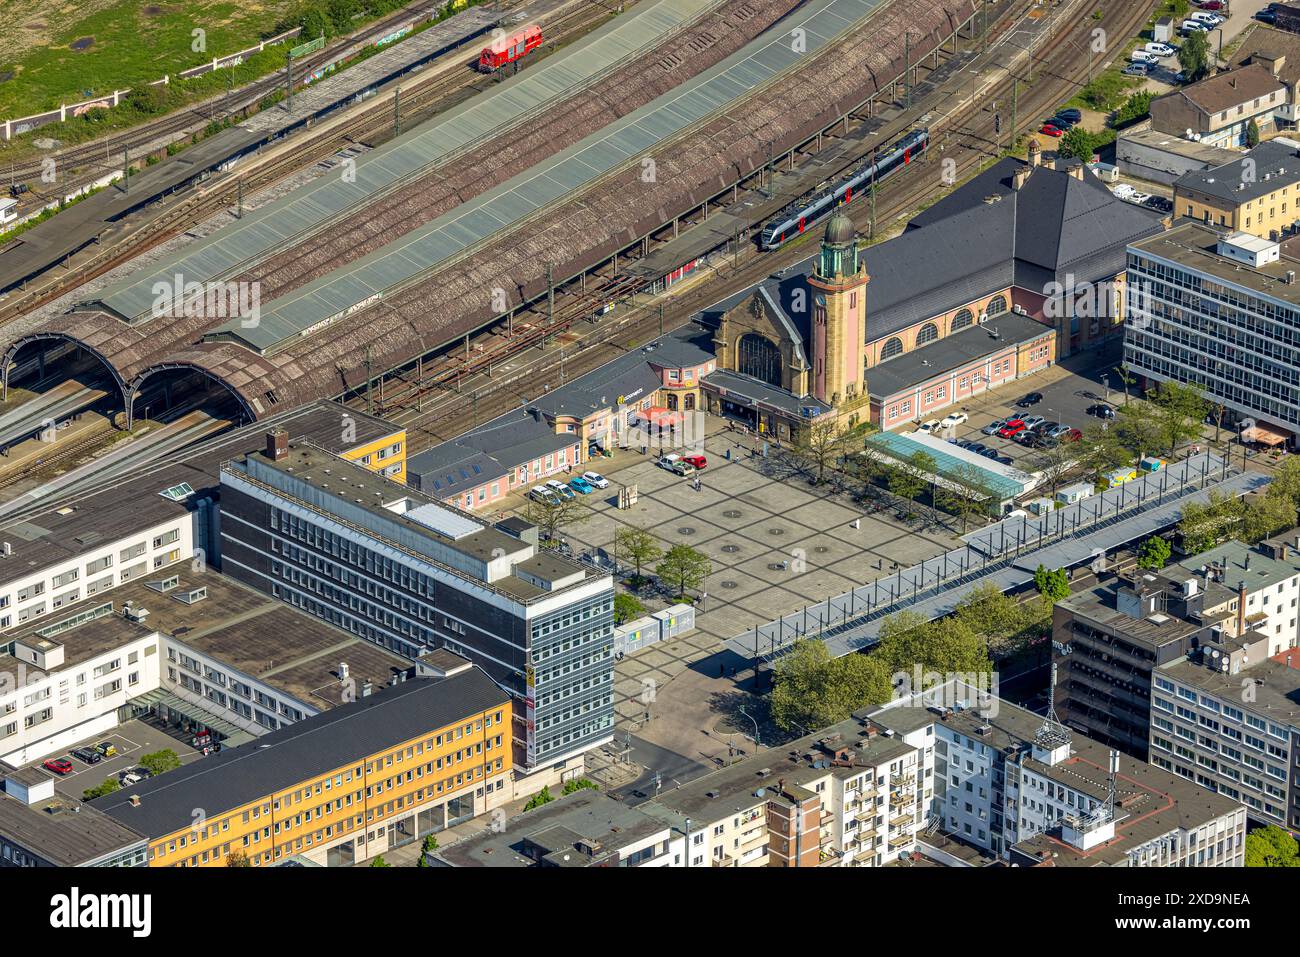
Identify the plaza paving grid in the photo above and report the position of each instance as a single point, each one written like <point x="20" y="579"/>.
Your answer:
<point x="748" y="518"/>
<point x="1004" y="554"/>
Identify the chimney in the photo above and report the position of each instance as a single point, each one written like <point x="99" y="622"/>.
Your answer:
<point x="135" y="800"/>
<point x="277" y="445"/>
<point x="1241" y="608"/>
<point x="1077" y="171"/>
<point x="1019" y="177"/>
<point x="1035" y="153"/>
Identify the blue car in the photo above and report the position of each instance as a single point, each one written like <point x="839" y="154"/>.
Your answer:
<point x="581" y="485"/>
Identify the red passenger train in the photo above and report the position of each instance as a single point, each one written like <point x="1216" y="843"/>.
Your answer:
<point x="511" y="47"/>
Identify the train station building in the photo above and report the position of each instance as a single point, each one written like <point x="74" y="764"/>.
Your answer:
<point x="1019" y="267"/>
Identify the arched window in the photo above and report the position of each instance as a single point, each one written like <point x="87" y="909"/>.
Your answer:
<point x="928" y="333"/>
<point x="690" y="401"/>
<point x="997" y="305"/>
<point x="672" y="402"/>
<point x="961" y="320"/>
<point x="894" y="347"/>
<point x="759" y="357"/>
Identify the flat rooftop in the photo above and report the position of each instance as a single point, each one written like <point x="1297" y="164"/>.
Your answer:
<point x="63" y="831"/>
<point x="552" y="832"/>
<point x="1150" y="802"/>
<point x="1098" y="605"/>
<point x="1242" y="563"/>
<point x="352" y="493"/>
<point x="1276" y="685"/>
<point x="719" y="793"/>
<point x="1194" y="245"/>
<point x="257" y="635"/>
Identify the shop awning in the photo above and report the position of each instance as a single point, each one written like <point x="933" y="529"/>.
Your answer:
<point x="231" y="733"/>
<point x="1265" y="435"/>
<point x="659" y="415"/>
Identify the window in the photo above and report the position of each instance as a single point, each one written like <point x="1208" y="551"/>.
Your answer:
<point x="927" y="333"/>
<point x="894" y="347"/>
<point x="961" y="320"/>
<point x="997" y="305"/>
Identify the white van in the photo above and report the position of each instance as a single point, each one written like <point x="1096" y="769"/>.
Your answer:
<point x="1141" y="56"/>
<point x="1206" y="17"/>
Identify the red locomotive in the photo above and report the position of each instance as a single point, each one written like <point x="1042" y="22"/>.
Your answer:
<point x="511" y="47"/>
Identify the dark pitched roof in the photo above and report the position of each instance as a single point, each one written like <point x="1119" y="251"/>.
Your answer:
<point x="984" y="236"/>
<point x="1275" y="165"/>
<point x="303" y="750"/>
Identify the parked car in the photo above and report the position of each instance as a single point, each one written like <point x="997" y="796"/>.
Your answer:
<point x="1074" y="435"/>
<point x="106" y="749"/>
<point x="977" y="447"/>
<point x="542" y="494"/>
<point x="699" y="461"/>
<point x="1189" y="26"/>
<point x="1159" y="203"/>
<point x="1218" y="5"/>
<point x="682" y="467"/>
<point x="992" y="427"/>
<point x="1159" y="49"/>
<point x="667" y="461"/>
<point x="1032" y="398"/>
<point x="930" y="425"/>
<point x="59" y="765"/>
<point x="1266" y="16"/>
<point x="581" y="485"/>
<point x="1205" y="16"/>
<point x="129" y="777"/>
<point x="1011" y="428"/>
<point x="1003" y="460"/>
<point x="1049" y="130"/>
<point x="1101" y="411"/>
<point x="954" y="419"/>
<point x="1026" y="437"/>
<point x="88" y="755"/>
<point x="990" y="453"/>
<point x="1033" y="421"/>
<point x="1073" y="114"/>
<point x="596" y="480"/>
<point x="1137" y="69"/>
<point x="1141" y="56"/>
<point x="560" y="489"/>
<point x="1057" y="430"/>
<point x="1060" y="122"/>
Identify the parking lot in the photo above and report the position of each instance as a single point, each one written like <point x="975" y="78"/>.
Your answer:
<point x="1067" y="393"/>
<point x="131" y="739"/>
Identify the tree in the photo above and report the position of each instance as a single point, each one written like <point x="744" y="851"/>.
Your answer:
<point x="160" y="762"/>
<point x="580" y="784"/>
<point x="1137" y="428"/>
<point x="108" y="787"/>
<point x="626" y="607"/>
<point x="908" y="477"/>
<point x="685" y="568"/>
<point x="1126" y="379"/>
<point x="380" y="862"/>
<point x="946" y="645"/>
<point x="1179" y="411"/>
<point x="1154" y="553"/>
<point x="823" y="444"/>
<point x="1052" y="585"/>
<point x="237" y="859"/>
<point x="999" y="618"/>
<point x="1079" y="143"/>
<point x="1194" y="55"/>
<point x="1270" y="846"/>
<point x="1101" y="450"/>
<point x="1053" y="463"/>
<point x="554" y="513"/>
<point x="1265" y="515"/>
<point x="1252" y="134"/>
<point x="541" y="797"/>
<point x="965" y="493"/>
<point x="1205" y="524"/>
<point x="810" y="689"/>
<point x="430" y="845"/>
<point x="638" y="546"/>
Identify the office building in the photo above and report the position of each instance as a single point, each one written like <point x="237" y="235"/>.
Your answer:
<point x="39" y="828"/>
<point x="1214" y="310"/>
<point x="401" y="569"/>
<point x="340" y="787"/>
<point x="1256" y="193"/>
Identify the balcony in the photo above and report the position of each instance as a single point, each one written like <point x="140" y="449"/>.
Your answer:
<point x="865" y="814"/>
<point x="726" y="860"/>
<point x="901" y="840"/>
<point x="902" y="820"/>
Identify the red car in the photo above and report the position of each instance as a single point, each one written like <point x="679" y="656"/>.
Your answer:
<point x="59" y="765"/>
<point x="1011" y="428"/>
<point x="699" y="461"/>
<point x="1210" y="5"/>
<point x="1050" y="130"/>
<point x="1074" y="435"/>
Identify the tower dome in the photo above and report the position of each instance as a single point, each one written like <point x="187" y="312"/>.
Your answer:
<point x="840" y="229"/>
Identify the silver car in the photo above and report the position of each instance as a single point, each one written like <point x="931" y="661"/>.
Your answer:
<point x="1033" y="421"/>
<point x="992" y="427"/>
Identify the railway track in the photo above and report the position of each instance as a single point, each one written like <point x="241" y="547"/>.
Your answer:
<point x="371" y="125"/>
<point x="455" y="392"/>
<point x="100" y="154"/>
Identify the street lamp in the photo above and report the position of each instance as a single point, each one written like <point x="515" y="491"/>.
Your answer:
<point x="757" y="744"/>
